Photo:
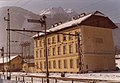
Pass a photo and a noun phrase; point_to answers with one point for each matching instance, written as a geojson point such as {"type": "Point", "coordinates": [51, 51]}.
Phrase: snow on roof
{"type": "Point", "coordinates": [6, 59]}
{"type": "Point", "coordinates": [29, 60]}
{"type": "Point", "coordinates": [71, 23]}
{"type": "Point", "coordinates": [67, 24]}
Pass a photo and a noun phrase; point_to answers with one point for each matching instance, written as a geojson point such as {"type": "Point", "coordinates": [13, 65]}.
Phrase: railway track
{"type": "Point", "coordinates": [32, 79]}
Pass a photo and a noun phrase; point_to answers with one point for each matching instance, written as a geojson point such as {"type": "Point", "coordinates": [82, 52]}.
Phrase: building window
{"type": "Point", "coordinates": [58, 38]}
{"type": "Point", "coordinates": [54, 64]}
{"type": "Point", "coordinates": [64, 38]}
{"type": "Point", "coordinates": [70, 36]}
{"type": "Point", "coordinates": [77, 62]}
{"type": "Point", "coordinates": [70, 48]}
{"type": "Point", "coordinates": [36, 42]}
{"type": "Point", "coordinates": [40, 53]}
{"type": "Point", "coordinates": [53, 50]}
{"type": "Point", "coordinates": [59, 64]}
{"type": "Point", "coordinates": [49, 64]}
{"type": "Point", "coordinates": [64, 49]}
{"type": "Point", "coordinates": [37, 66]}
{"type": "Point", "coordinates": [44, 53]}
{"type": "Point", "coordinates": [40, 42]}
{"type": "Point", "coordinates": [99, 40]}
{"type": "Point", "coordinates": [71, 63]}
{"type": "Point", "coordinates": [36, 54]}
{"type": "Point", "coordinates": [44, 64]}
{"type": "Point", "coordinates": [48, 52]}
{"type": "Point", "coordinates": [65, 64]}
{"type": "Point", "coordinates": [40, 65]}
{"type": "Point", "coordinates": [76, 33]}
{"type": "Point", "coordinates": [86, 66]}
{"type": "Point", "coordinates": [76, 45]}
{"type": "Point", "coordinates": [43, 42]}
{"type": "Point", "coordinates": [59, 50]}
{"type": "Point", "coordinates": [48, 41]}
{"type": "Point", "coordinates": [53, 40]}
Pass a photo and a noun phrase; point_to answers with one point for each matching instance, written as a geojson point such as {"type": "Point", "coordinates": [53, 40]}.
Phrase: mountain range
{"type": "Point", "coordinates": [18, 20]}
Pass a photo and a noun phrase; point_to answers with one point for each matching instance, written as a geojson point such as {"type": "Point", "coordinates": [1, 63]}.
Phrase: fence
{"type": "Point", "coordinates": [42, 79]}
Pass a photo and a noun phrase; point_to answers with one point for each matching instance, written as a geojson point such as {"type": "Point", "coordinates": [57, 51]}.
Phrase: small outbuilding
{"type": "Point", "coordinates": [28, 66]}
{"type": "Point", "coordinates": [14, 64]}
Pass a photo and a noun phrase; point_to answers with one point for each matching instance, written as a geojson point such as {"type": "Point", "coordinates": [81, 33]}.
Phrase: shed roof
{"type": "Point", "coordinates": [6, 58]}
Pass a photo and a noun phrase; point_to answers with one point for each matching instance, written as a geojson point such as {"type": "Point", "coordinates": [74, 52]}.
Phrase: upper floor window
{"type": "Point", "coordinates": [53, 50]}
{"type": "Point", "coordinates": [49, 41]}
{"type": "Point", "coordinates": [64, 37]}
{"type": "Point", "coordinates": [36, 54]}
{"type": "Point", "coordinates": [40, 42]}
{"type": "Point", "coordinates": [48, 51]}
{"type": "Point", "coordinates": [59, 50]}
{"type": "Point", "coordinates": [76, 45]}
{"type": "Point", "coordinates": [78, 34]}
{"type": "Point", "coordinates": [70, 48]}
{"type": "Point", "coordinates": [36, 42]}
{"type": "Point", "coordinates": [99, 40]}
{"type": "Point", "coordinates": [53, 40]}
{"type": "Point", "coordinates": [64, 49]}
{"type": "Point", "coordinates": [40, 52]}
{"type": "Point", "coordinates": [70, 36]}
{"type": "Point", "coordinates": [58, 38]}
{"type": "Point", "coordinates": [44, 53]}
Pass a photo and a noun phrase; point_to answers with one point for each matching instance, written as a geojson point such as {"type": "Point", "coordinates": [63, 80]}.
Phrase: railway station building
{"type": "Point", "coordinates": [81, 45]}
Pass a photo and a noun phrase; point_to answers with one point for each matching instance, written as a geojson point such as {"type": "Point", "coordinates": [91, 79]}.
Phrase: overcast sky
{"type": "Point", "coordinates": [111, 8]}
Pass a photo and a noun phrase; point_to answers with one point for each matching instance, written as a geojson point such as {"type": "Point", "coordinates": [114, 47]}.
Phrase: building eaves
{"type": "Point", "coordinates": [70, 23]}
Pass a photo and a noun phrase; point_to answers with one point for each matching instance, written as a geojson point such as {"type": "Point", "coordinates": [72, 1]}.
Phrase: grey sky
{"type": "Point", "coordinates": [109, 7]}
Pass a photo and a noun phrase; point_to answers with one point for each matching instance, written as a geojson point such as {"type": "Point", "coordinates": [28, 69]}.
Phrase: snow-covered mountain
{"type": "Point", "coordinates": [19, 18]}
{"type": "Point", "coordinates": [71, 12]}
{"type": "Point", "coordinates": [58, 14]}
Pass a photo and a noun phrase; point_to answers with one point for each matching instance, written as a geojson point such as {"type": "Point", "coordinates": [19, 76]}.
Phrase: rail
{"type": "Point", "coordinates": [42, 79]}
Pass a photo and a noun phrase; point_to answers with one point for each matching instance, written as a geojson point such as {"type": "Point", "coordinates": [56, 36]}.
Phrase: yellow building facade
{"type": "Point", "coordinates": [96, 46]}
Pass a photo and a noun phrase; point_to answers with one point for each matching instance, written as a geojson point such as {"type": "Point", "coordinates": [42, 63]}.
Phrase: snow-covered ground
{"type": "Point", "coordinates": [117, 62]}
{"type": "Point", "coordinates": [110, 76]}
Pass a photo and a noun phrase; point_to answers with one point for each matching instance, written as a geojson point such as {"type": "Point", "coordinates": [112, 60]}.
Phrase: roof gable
{"type": "Point", "coordinates": [98, 13]}
{"type": "Point", "coordinates": [7, 60]}
{"type": "Point", "coordinates": [99, 21]}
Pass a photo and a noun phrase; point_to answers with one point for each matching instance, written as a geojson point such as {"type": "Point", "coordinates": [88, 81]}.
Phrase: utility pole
{"type": "Point", "coordinates": [81, 64]}
{"type": "Point", "coordinates": [2, 54]}
{"type": "Point", "coordinates": [42, 21]}
{"type": "Point", "coordinates": [80, 55]}
{"type": "Point", "coordinates": [22, 46]}
{"type": "Point", "coordinates": [8, 43]}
